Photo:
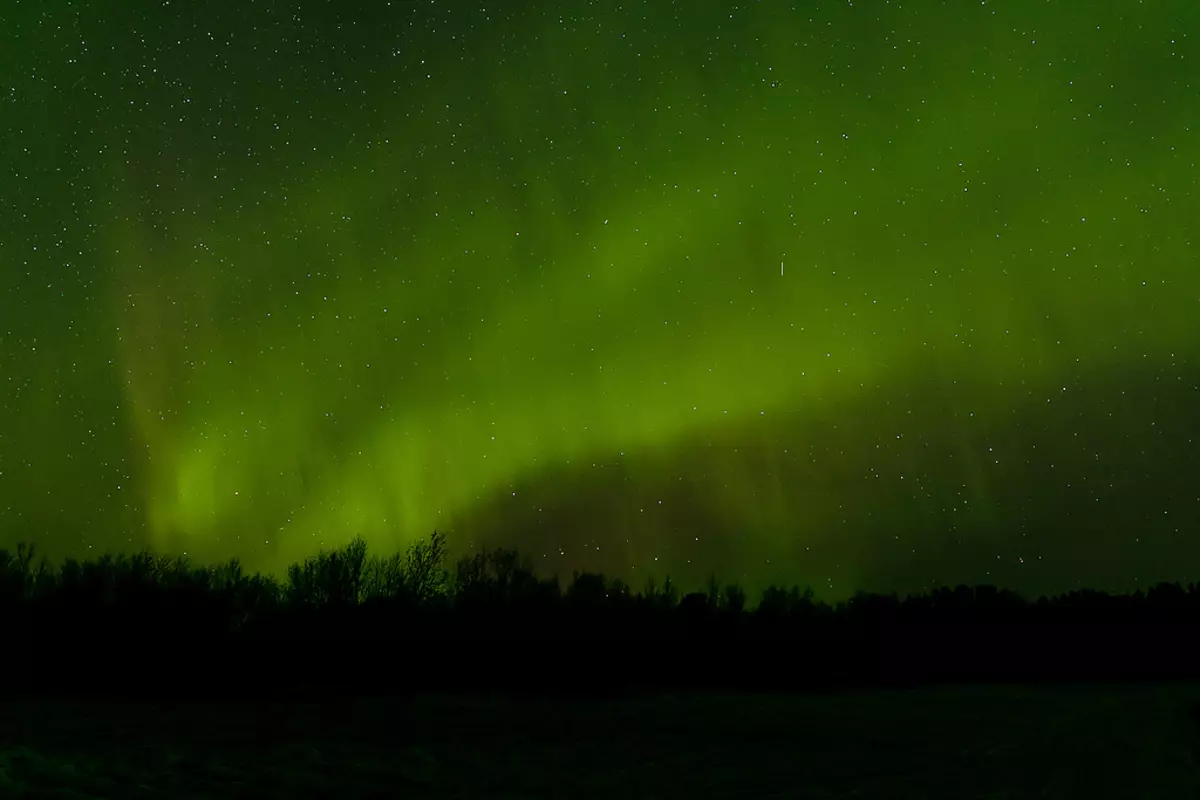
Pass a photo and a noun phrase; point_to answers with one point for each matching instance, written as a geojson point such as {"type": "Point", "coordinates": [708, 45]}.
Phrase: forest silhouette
{"type": "Point", "coordinates": [415, 621]}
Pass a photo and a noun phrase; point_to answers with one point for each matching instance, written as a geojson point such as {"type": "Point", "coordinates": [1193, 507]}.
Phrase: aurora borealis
{"type": "Point", "coordinates": [863, 295]}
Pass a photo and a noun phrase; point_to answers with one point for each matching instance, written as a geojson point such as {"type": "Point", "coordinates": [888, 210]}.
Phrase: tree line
{"type": "Point", "coordinates": [414, 621]}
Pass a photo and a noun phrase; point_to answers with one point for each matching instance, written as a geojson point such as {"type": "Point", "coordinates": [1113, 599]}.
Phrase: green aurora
{"type": "Point", "coordinates": [862, 295]}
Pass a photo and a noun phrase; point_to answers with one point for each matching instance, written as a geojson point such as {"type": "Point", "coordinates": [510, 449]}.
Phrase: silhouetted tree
{"type": "Point", "coordinates": [424, 568]}
{"type": "Point", "coordinates": [779, 602]}
{"type": "Point", "coordinates": [500, 578]}
{"type": "Point", "coordinates": [664, 597]}
{"type": "Point", "coordinates": [695, 605]}
{"type": "Point", "coordinates": [588, 591]}
{"type": "Point", "coordinates": [618, 593]}
{"type": "Point", "coordinates": [20, 579]}
{"type": "Point", "coordinates": [332, 579]}
{"type": "Point", "coordinates": [733, 599]}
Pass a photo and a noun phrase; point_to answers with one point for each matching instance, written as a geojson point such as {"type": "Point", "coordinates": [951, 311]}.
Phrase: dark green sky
{"type": "Point", "coordinates": [878, 295]}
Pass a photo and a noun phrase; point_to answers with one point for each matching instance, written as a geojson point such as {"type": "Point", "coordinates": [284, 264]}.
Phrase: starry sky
{"type": "Point", "coordinates": [879, 295]}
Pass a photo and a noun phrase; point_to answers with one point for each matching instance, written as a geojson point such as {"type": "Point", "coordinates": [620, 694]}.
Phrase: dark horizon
{"type": "Point", "coordinates": [348, 621]}
{"type": "Point", "coordinates": [27, 574]}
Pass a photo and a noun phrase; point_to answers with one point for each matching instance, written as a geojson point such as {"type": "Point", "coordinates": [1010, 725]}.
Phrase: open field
{"type": "Point", "coordinates": [1089, 741]}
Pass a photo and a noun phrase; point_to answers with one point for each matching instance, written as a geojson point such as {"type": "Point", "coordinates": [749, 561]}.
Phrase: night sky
{"type": "Point", "coordinates": [865, 294]}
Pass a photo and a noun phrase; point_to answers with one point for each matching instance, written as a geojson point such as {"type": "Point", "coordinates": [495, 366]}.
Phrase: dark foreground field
{"type": "Point", "coordinates": [1006, 742]}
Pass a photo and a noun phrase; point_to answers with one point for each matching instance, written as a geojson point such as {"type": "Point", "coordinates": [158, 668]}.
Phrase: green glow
{"type": "Point", "coordinates": [516, 278]}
